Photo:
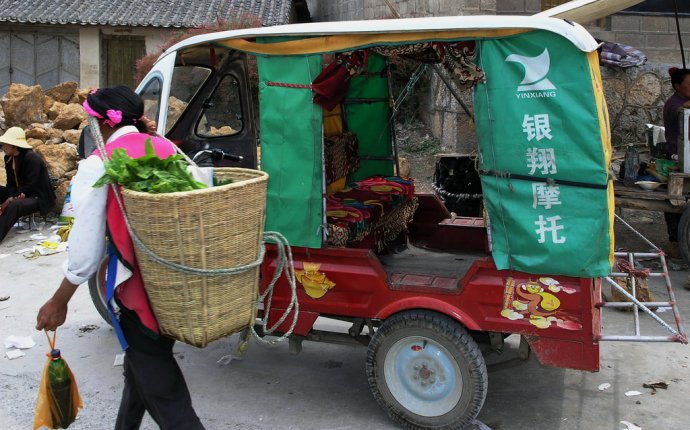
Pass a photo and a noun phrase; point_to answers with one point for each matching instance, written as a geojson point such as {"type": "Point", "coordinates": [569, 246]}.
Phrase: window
{"type": "Point", "coordinates": [222, 115]}
{"type": "Point", "coordinates": [151, 94]}
{"type": "Point", "coordinates": [186, 82]}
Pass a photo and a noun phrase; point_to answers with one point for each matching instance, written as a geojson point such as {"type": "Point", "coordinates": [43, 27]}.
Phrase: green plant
{"type": "Point", "coordinates": [149, 173]}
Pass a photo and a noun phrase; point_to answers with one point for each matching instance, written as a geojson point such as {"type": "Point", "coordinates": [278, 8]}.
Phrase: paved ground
{"type": "Point", "coordinates": [325, 386]}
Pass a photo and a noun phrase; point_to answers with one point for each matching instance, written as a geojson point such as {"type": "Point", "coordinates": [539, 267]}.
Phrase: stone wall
{"type": "Point", "coordinates": [635, 97]}
{"type": "Point", "coordinates": [446, 117]}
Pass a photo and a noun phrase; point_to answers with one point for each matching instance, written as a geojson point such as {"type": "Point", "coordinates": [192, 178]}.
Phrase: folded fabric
{"type": "Point", "coordinates": [620, 55]}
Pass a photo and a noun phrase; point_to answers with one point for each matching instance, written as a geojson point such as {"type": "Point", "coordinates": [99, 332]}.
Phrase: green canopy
{"type": "Point", "coordinates": [291, 147]}
{"type": "Point", "coordinates": [543, 141]}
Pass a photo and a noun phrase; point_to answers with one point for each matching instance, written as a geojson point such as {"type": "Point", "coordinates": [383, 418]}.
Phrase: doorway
{"type": "Point", "coordinates": [119, 55]}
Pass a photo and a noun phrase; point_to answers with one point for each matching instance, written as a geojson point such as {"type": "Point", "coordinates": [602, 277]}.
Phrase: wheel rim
{"type": "Point", "coordinates": [423, 376]}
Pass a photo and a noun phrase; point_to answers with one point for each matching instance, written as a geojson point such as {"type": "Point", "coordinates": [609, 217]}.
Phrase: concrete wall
{"type": "Point", "coordinates": [90, 57]}
{"type": "Point", "coordinates": [656, 36]}
{"type": "Point", "coordinates": [518, 7]}
{"type": "Point", "coordinates": [344, 10]}
{"type": "Point", "coordinates": [90, 48]}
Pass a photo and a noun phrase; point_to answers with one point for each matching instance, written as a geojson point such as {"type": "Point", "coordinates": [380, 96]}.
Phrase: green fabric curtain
{"type": "Point", "coordinates": [367, 114]}
{"type": "Point", "coordinates": [291, 145]}
{"type": "Point", "coordinates": [537, 120]}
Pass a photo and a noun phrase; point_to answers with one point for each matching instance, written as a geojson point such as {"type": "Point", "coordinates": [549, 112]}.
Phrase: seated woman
{"type": "Point", "coordinates": [28, 187]}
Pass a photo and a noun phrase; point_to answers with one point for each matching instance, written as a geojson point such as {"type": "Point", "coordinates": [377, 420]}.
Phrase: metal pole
{"type": "Point", "coordinates": [446, 80]}
{"type": "Point", "coordinates": [632, 280]}
{"type": "Point", "coordinates": [641, 306]}
{"type": "Point", "coordinates": [680, 39]}
{"type": "Point", "coordinates": [391, 103]}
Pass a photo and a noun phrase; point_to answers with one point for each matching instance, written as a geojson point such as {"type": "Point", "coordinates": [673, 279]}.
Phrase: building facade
{"type": "Point", "coordinates": [97, 43]}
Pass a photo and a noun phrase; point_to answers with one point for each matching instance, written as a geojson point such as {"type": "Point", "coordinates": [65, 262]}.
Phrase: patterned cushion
{"type": "Point", "coordinates": [371, 213]}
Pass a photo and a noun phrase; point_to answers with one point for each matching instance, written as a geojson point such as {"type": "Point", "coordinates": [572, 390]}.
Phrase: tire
{"type": "Point", "coordinates": [684, 234]}
{"type": "Point", "coordinates": [97, 291]}
{"type": "Point", "coordinates": [426, 371]}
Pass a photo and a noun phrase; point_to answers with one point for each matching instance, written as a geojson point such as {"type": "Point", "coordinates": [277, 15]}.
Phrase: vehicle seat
{"type": "Point", "coordinates": [370, 213]}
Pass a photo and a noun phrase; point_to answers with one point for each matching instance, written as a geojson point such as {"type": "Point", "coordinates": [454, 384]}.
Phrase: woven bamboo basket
{"type": "Point", "coordinates": [213, 228]}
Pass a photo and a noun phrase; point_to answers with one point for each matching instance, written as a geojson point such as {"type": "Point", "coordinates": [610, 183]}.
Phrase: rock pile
{"type": "Point", "coordinates": [52, 120]}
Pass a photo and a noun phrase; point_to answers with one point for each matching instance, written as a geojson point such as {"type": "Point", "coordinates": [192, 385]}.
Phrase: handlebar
{"type": "Point", "coordinates": [218, 154]}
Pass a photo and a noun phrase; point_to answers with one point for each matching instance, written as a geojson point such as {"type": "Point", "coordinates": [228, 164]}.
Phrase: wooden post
{"type": "Point", "coordinates": [678, 188]}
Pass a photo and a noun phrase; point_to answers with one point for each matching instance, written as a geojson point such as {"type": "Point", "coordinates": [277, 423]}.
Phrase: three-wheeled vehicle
{"type": "Point", "coordinates": [421, 288]}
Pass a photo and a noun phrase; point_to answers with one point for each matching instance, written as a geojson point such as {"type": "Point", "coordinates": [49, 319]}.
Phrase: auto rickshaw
{"type": "Point", "coordinates": [427, 292]}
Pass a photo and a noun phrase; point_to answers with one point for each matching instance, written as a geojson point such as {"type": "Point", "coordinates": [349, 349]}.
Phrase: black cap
{"type": "Point", "coordinates": [55, 353]}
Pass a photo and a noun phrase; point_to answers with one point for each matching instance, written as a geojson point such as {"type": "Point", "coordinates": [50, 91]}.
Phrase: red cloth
{"type": "Point", "coordinates": [333, 82]}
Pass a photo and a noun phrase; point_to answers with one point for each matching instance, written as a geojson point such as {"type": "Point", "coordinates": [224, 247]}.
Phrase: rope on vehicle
{"type": "Point", "coordinates": [284, 263]}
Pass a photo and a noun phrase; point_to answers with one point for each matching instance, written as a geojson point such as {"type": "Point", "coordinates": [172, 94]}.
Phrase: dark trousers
{"type": "Point", "coordinates": [16, 209]}
{"type": "Point", "coordinates": [672, 220]}
{"type": "Point", "coordinates": [153, 383]}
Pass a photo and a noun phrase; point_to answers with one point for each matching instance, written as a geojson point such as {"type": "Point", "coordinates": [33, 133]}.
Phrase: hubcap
{"type": "Point", "coordinates": [423, 376]}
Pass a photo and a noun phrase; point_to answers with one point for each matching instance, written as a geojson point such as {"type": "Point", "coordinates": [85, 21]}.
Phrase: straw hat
{"type": "Point", "coordinates": [15, 136]}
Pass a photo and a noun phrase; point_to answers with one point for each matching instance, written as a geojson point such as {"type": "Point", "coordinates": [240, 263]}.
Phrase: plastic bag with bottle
{"type": "Point", "coordinates": [58, 399]}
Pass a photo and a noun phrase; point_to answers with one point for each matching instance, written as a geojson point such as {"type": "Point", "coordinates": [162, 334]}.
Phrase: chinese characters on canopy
{"type": "Point", "coordinates": [543, 160]}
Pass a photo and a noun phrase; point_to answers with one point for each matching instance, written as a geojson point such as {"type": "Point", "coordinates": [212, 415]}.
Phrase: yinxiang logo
{"type": "Point", "coordinates": [535, 84]}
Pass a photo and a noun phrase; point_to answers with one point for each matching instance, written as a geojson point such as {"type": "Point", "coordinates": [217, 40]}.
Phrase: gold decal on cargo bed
{"type": "Point", "coordinates": [315, 283]}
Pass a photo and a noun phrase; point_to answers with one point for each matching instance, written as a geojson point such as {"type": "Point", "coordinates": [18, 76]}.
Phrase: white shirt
{"type": "Point", "coordinates": [87, 238]}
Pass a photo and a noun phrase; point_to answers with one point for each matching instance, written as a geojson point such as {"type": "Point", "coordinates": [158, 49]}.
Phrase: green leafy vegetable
{"type": "Point", "coordinates": [221, 182]}
{"type": "Point", "coordinates": [149, 173]}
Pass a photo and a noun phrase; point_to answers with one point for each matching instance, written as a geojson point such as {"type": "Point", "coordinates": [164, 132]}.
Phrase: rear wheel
{"type": "Point", "coordinates": [426, 371]}
{"type": "Point", "coordinates": [97, 291]}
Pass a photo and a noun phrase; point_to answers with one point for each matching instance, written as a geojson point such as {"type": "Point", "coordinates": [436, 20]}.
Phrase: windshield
{"type": "Point", "coordinates": [186, 82]}
{"type": "Point", "coordinates": [222, 114]}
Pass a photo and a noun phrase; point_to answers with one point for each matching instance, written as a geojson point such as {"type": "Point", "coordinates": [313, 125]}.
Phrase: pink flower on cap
{"type": "Point", "coordinates": [114, 117]}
